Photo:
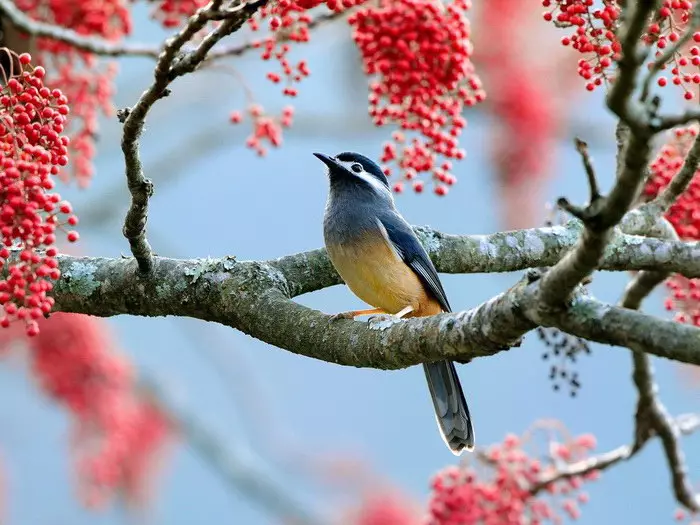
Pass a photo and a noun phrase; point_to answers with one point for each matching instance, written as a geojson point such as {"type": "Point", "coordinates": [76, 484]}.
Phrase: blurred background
{"type": "Point", "coordinates": [215, 197]}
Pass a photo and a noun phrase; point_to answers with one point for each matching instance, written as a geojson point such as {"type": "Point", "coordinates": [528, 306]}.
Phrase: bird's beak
{"type": "Point", "coordinates": [331, 162]}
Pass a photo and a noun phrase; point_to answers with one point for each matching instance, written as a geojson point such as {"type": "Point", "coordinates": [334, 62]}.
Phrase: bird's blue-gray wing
{"type": "Point", "coordinates": [411, 251]}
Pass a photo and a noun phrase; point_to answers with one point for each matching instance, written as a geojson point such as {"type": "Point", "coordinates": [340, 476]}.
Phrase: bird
{"type": "Point", "coordinates": [379, 257]}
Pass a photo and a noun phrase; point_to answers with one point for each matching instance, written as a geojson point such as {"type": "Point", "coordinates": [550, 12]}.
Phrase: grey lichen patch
{"type": "Point", "coordinates": [382, 322]}
{"type": "Point", "coordinates": [588, 309]}
{"type": "Point", "coordinates": [203, 267]}
{"type": "Point", "coordinates": [568, 233]}
{"type": "Point", "coordinates": [80, 278]}
{"type": "Point", "coordinates": [275, 276]}
{"type": "Point", "coordinates": [229, 262]}
{"type": "Point", "coordinates": [487, 248]}
{"type": "Point", "coordinates": [512, 241]}
{"type": "Point", "coordinates": [662, 253]}
{"type": "Point", "coordinates": [534, 244]}
{"type": "Point", "coordinates": [630, 240]}
{"type": "Point", "coordinates": [428, 238]}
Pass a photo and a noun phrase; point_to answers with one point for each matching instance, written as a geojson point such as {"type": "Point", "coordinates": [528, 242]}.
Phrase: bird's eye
{"type": "Point", "coordinates": [357, 167]}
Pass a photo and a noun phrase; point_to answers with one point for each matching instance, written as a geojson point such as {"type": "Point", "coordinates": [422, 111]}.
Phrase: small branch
{"type": "Point", "coordinates": [599, 462]}
{"type": "Point", "coordinates": [239, 49]}
{"type": "Point", "coordinates": [599, 218]}
{"type": "Point", "coordinates": [168, 68]}
{"type": "Point", "coordinates": [582, 149]}
{"type": "Point", "coordinates": [652, 418]}
{"type": "Point", "coordinates": [239, 467]}
{"type": "Point", "coordinates": [587, 213]}
{"type": "Point", "coordinates": [670, 52]}
{"type": "Point", "coordinates": [61, 34]}
{"type": "Point", "coordinates": [671, 121]}
{"type": "Point", "coordinates": [687, 424]}
{"type": "Point", "coordinates": [683, 178]}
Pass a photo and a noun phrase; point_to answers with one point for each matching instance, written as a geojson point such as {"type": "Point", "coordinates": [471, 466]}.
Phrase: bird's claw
{"type": "Point", "coordinates": [341, 315]}
{"type": "Point", "coordinates": [374, 319]}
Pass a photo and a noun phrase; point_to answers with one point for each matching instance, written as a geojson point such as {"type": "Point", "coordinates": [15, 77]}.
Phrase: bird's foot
{"type": "Point", "coordinates": [341, 315]}
{"type": "Point", "coordinates": [379, 318]}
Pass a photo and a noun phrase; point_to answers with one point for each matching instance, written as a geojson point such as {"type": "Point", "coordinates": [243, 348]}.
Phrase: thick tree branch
{"type": "Point", "coordinates": [517, 250]}
{"type": "Point", "coordinates": [94, 45]}
{"type": "Point", "coordinates": [254, 297]}
{"type": "Point", "coordinates": [170, 66]}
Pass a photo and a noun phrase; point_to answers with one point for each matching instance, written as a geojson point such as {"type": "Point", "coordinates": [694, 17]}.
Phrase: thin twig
{"type": "Point", "coordinates": [686, 424]}
{"type": "Point", "coordinates": [582, 149]}
{"type": "Point", "coordinates": [671, 121]}
{"type": "Point", "coordinates": [169, 67]}
{"type": "Point", "coordinates": [94, 45]}
{"type": "Point", "coordinates": [239, 49]}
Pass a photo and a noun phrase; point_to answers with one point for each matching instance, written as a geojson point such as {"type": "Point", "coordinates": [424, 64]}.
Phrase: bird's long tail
{"type": "Point", "coordinates": [451, 410]}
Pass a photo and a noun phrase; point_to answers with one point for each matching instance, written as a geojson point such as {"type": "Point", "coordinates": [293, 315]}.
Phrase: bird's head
{"type": "Point", "coordinates": [351, 169]}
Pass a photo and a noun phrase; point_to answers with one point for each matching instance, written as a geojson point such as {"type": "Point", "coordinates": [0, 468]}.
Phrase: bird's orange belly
{"type": "Point", "coordinates": [375, 273]}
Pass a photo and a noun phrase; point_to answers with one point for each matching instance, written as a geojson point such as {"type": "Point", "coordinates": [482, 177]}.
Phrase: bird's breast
{"type": "Point", "coordinates": [375, 272]}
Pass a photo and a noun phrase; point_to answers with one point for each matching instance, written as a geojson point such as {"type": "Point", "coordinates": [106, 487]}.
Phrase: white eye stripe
{"type": "Point", "coordinates": [370, 179]}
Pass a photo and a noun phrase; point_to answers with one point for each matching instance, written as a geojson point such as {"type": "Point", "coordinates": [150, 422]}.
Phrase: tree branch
{"type": "Point", "coordinates": [254, 297]}
{"type": "Point", "coordinates": [169, 67]}
{"type": "Point", "coordinates": [94, 45]}
{"type": "Point", "coordinates": [239, 49]}
{"type": "Point", "coordinates": [686, 424]}
{"type": "Point", "coordinates": [603, 213]}
{"type": "Point", "coordinates": [651, 416]}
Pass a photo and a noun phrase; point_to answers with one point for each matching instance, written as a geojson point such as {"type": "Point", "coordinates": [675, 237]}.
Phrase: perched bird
{"type": "Point", "coordinates": [382, 261]}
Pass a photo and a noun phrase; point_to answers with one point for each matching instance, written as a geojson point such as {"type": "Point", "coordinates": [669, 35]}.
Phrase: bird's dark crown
{"type": "Point", "coordinates": [368, 165]}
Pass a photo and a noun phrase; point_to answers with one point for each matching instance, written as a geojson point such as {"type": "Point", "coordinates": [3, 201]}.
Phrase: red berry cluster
{"type": "Point", "coordinates": [88, 87]}
{"type": "Point", "coordinates": [173, 13]}
{"type": "Point", "coordinates": [32, 150]}
{"type": "Point", "coordinates": [420, 53]}
{"type": "Point", "coordinates": [265, 128]}
{"type": "Point", "coordinates": [502, 492]}
{"type": "Point", "coordinates": [684, 215]}
{"type": "Point", "coordinates": [594, 36]}
{"type": "Point", "coordinates": [116, 434]}
{"type": "Point", "coordinates": [288, 23]}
